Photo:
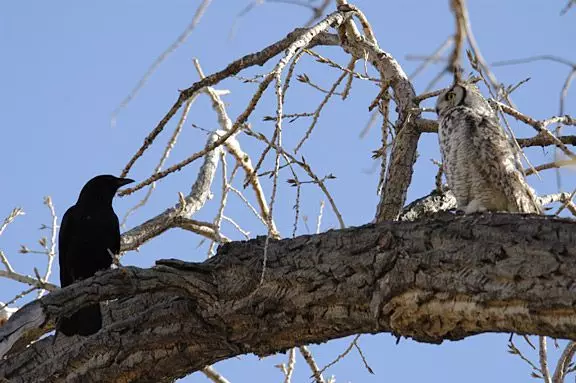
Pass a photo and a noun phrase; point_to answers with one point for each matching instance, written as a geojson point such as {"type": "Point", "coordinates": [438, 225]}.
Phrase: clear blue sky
{"type": "Point", "coordinates": [67, 65]}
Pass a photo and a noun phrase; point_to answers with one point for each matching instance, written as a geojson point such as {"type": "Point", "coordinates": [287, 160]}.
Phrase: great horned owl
{"type": "Point", "coordinates": [480, 162]}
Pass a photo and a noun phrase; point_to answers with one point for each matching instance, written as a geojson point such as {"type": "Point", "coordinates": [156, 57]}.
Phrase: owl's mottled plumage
{"type": "Point", "coordinates": [480, 162]}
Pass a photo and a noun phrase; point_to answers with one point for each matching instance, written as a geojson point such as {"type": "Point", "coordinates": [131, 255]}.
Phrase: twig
{"type": "Point", "coordinates": [5, 262]}
{"type": "Point", "coordinates": [342, 355]}
{"type": "Point", "coordinates": [384, 109]}
{"type": "Point", "coordinates": [566, 203]}
{"type": "Point", "coordinates": [209, 148]}
{"type": "Point", "coordinates": [299, 44]}
{"type": "Point", "coordinates": [296, 205]}
{"type": "Point", "coordinates": [318, 12]}
{"type": "Point", "coordinates": [173, 216]}
{"type": "Point", "coordinates": [476, 49]}
{"type": "Point", "coordinates": [211, 373]}
{"type": "Point", "coordinates": [292, 116]}
{"type": "Point", "coordinates": [540, 126]}
{"type": "Point", "coordinates": [289, 370]}
{"type": "Point", "coordinates": [333, 64]}
{"type": "Point", "coordinates": [245, 200]}
{"type": "Point", "coordinates": [276, 74]}
{"type": "Point", "coordinates": [204, 229]}
{"type": "Point", "coordinates": [179, 41]}
{"type": "Point", "coordinates": [432, 58]}
{"type": "Point", "coordinates": [369, 124]}
{"type": "Point", "coordinates": [545, 140]}
{"type": "Point", "coordinates": [169, 146]}
{"type": "Point", "coordinates": [232, 69]}
{"type": "Point", "coordinates": [37, 284]}
{"type": "Point", "coordinates": [434, 80]}
{"type": "Point", "coordinates": [11, 217]}
{"type": "Point", "coordinates": [567, 7]}
{"type": "Point", "coordinates": [290, 73]}
{"type": "Point", "coordinates": [550, 165]}
{"type": "Point", "coordinates": [459, 10]}
{"type": "Point", "coordinates": [362, 356]}
{"type": "Point", "coordinates": [512, 349]}
{"type": "Point", "coordinates": [233, 147]}
{"type": "Point", "coordinates": [300, 40]}
{"type": "Point", "coordinates": [307, 169]}
{"type": "Point", "coordinates": [551, 198]}
{"type": "Point", "coordinates": [303, 78]}
{"type": "Point", "coordinates": [245, 233]}
{"type": "Point", "coordinates": [312, 364]}
{"type": "Point", "coordinates": [18, 296]}
{"type": "Point", "coordinates": [564, 362]}
{"type": "Point", "coordinates": [223, 199]}
{"type": "Point", "coordinates": [540, 139]}
{"type": "Point", "coordinates": [563, 93]}
{"type": "Point", "coordinates": [318, 111]}
{"type": "Point", "coordinates": [543, 355]}
{"type": "Point", "coordinates": [348, 86]}
{"type": "Point", "coordinates": [427, 95]}
{"type": "Point", "coordinates": [51, 253]}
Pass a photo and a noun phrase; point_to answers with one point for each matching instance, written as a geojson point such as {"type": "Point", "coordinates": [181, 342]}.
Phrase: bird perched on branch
{"type": "Point", "coordinates": [89, 236]}
{"type": "Point", "coordinates": [481, 163]}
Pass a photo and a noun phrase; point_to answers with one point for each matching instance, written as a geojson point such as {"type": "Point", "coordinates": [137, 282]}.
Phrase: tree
{"type": "Point", "coordinates": [417, 272]}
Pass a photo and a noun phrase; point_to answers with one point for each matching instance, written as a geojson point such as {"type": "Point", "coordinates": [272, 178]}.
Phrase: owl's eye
{"type": "Point", "coordinates": [450, 96]}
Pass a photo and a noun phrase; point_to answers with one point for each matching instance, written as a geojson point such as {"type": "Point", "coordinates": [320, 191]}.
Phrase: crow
{"type": "Point", "coordinates": [89, 235]}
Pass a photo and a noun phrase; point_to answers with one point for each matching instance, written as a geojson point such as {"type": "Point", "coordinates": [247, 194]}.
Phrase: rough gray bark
{"type": "Point", "coordinates": [442, 278]}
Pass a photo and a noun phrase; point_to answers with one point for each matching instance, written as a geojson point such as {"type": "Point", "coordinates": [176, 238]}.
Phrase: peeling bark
{"type": "Point", "coordinates": [448, 277]}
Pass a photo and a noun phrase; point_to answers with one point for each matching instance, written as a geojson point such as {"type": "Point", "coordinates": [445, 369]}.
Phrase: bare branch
{"type": "Point", "coordinates": [289, 370]}
{"type": "Point", "coordinates": [167, 150]}
{"type": "Point", "coordinates": [307, 169]}
{"type": "Point", "coordinates": [194, 201]}
{"type": "Point", "coordinates": [342, 355]}
{"type": "Point", "coordinates": [543, 356]}
{"type": "Point", "coordinates": [434, 57]}
{"type": "Point", "coordinates": [550, 165]}
{"type": "Point", "coordinates": [179, 41]}
{"type": "Point", "coordinates": [459, 10]}
{"type": "Point", "coordinates": [11, 217]}
{"type": "Point", "coordinates": [318, 111]}
{"type": "Point", "coordinates": [51, 250]}
{"type": "Point", "coordinates": [259, 58]}
{"type": "Point", "coordinates": [31, 281]}
{"type": "Point", "coordinates": [312, 364]}
{"type": "Point", "coordinates": [564, 363]}
{"type": "Point", "coordinates": [211, 373]}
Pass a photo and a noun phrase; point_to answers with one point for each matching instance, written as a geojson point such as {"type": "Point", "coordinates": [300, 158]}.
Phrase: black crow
{"type": "Point", "coordinates": [89, 235]}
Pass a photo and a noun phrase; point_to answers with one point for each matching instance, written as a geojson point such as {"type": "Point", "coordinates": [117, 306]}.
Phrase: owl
{"type": "Point", "coordinates": [481, 164]}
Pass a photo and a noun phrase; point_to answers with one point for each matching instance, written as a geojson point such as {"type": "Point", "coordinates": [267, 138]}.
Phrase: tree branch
{"type": "Point", "coordinates": [443, 278]}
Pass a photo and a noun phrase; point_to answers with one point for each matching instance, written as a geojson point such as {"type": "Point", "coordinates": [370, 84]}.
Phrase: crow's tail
{"type": "Point", "coordinates": [84, 322]}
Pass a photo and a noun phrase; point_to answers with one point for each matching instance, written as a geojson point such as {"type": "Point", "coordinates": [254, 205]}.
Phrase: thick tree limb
{"type": "Point", "coordinates": [443, 278]}
{"type": "Point", "coordinates": [403, 153]}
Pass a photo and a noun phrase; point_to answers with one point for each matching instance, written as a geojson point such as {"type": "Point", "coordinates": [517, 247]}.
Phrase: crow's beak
{"type": "Point", "coordinates": [124, 181]}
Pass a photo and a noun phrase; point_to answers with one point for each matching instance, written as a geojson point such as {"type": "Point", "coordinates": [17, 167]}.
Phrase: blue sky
{"type": "Point", "coordinates": [67, 65]}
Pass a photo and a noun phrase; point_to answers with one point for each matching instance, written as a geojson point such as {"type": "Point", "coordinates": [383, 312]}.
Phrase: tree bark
{"type": "Point", "coordinates": [447, 277]}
